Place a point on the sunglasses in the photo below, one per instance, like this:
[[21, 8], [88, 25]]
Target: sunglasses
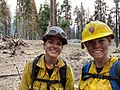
[[55, 32]]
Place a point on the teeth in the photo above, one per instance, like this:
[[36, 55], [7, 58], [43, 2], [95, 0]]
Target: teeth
[[53, 50], [97, 52]]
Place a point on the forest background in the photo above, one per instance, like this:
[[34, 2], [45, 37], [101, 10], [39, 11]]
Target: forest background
[[30, 24], [20, 36]]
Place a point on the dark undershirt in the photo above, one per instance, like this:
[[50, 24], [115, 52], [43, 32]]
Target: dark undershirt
[[99, 70], [50, 71]]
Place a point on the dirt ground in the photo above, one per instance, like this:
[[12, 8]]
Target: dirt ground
[[11, 64]]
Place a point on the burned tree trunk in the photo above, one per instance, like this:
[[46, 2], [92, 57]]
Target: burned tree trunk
[[53, 20]]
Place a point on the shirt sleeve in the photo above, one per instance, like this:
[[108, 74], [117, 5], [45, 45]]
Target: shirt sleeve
[[26, 77], [69, 79]]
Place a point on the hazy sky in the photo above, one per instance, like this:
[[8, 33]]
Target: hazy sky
[[86, 4]]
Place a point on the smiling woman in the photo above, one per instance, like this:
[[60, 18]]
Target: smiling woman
[[99, 73], [53, 72]]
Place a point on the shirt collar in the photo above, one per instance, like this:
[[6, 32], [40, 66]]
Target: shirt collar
[[41, 62]]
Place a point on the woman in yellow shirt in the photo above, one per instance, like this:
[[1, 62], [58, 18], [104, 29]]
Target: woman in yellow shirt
[[50, 64], [96, 37]]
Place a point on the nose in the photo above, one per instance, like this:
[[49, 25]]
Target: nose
[[96, 44], [55, 44]]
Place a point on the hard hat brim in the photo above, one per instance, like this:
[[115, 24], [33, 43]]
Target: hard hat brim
[[92, 37], [64, 41]]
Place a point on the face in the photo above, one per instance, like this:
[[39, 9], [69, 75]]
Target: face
[[53, 47], [98, 48]]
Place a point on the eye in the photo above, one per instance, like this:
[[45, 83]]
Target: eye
[[50, 41], [101, 41], [90, 42], [59, 43]]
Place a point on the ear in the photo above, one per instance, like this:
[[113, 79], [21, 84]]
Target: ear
[[109, 39], [62, 46], [44, 45], [109, 43], [82, 46]]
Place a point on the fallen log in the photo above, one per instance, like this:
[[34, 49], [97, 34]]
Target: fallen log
[[8, 75]]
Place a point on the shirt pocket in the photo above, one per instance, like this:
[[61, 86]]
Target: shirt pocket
[[58, 88], [39, 87], [83, 85]]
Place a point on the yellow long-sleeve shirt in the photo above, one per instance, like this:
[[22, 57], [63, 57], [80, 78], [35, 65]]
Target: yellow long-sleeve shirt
[[26, 77], [96, 83]]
